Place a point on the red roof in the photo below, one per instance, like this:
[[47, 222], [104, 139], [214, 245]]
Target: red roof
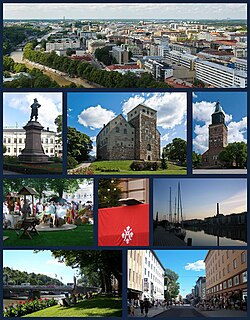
[[119, 67]]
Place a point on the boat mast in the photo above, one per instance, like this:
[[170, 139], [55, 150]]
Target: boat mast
[[175, 210], [170, 207], [178, 203]]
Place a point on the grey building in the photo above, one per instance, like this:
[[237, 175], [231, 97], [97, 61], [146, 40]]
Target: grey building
[[134, 139]]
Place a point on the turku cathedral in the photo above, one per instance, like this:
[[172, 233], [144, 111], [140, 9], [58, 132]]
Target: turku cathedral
[[217, 139]]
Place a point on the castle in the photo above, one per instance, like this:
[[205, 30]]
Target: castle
[[217, 138], [134, 139]]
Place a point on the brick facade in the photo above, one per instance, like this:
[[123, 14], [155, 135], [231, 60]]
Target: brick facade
[[217, 139]]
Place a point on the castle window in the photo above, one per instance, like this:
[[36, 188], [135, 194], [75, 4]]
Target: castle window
[[152, 114], [149, 147], [121, 143], [143, 110], [117, 129], [125, 131]]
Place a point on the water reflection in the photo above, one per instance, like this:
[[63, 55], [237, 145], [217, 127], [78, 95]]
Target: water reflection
[[212, 236]]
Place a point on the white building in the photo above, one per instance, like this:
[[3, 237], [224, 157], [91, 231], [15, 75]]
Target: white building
[[63, 44], [14, 140], [219, 76], [145, 275], [84, 194]]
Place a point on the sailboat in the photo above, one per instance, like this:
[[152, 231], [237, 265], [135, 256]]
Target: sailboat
[[178, 229]]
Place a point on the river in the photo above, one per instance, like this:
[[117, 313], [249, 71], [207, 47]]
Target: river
[[62, 80], [200, 238]]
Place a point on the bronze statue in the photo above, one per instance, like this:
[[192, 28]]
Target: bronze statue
[[34, 109]]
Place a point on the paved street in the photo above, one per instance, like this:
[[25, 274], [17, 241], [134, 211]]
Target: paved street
[[180, 311], [219, 171], [188, 312]]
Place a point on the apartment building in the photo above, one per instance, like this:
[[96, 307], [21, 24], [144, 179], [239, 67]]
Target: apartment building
[[226, 274], [219, 76], [145, 275]]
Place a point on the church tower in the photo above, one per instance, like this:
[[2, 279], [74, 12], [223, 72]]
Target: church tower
[[217, 138], [147, 137]]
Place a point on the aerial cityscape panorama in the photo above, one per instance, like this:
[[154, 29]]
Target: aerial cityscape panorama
[[125, 45], [124, 159]]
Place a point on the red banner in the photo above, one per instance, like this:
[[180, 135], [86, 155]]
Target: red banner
[[124, 226]]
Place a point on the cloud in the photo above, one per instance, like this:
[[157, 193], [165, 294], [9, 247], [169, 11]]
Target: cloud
[[55, 262], [202, 112], [51, 106], [195, 266], [171, 107], [95, 117]]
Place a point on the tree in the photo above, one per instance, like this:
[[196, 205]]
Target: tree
[[104, 263], [164, 164], [196, 159], [108, 193], [79, 145], [63, 185], [176, 150], [234, 155], [4, 149], [171, 284], [58, 123]]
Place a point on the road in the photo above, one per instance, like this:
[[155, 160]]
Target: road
[[180, 311], [219, 171]]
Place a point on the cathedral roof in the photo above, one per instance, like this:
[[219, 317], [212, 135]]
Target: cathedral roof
[[218, 108]]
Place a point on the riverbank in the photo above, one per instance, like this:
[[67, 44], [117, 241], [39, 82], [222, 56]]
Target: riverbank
[[59, 77]]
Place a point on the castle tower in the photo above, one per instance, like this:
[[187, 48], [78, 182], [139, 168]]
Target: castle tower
[[147, 137], [217, 138]]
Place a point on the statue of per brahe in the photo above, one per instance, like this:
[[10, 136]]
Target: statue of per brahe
[[34, 110]]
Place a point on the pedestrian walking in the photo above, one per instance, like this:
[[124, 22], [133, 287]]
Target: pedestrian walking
[[142, 307], [146, 306]]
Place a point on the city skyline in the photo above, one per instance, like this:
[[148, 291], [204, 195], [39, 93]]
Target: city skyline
[[125, 11], [88, 112], [16, 108], [235, 118], [41, 262], [200, 197], [188, 264]]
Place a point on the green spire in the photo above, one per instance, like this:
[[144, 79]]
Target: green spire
[[218, 107]]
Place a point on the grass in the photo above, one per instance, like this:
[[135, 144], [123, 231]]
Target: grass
[[123, 167], [96, 307], [81, 236]]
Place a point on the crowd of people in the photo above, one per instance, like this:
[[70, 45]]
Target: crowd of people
[[219, 304], [53, 213], [144, 305]]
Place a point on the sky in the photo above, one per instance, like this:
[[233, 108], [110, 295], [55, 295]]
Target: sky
[[188, 264], [200, 196], [234, 105], [16, 108], [89, 111], [42, 262], [125, 11]]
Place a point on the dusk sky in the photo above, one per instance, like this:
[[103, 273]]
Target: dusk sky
[[16, 108], [188, 264], [200, 196], [234, 105], [89, 111], [42, 262], [125, 11]]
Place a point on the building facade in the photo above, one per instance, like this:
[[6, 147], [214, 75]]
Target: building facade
[[14, 140], [135, 188], [145, 275], [134, 139], [217, 138], [226, 275]]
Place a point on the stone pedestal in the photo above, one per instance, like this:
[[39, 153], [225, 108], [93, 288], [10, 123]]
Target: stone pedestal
[[33, 151]]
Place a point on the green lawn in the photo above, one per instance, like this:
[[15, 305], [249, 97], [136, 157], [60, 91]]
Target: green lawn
[[96, 307], [81, 236], [122, 167]]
